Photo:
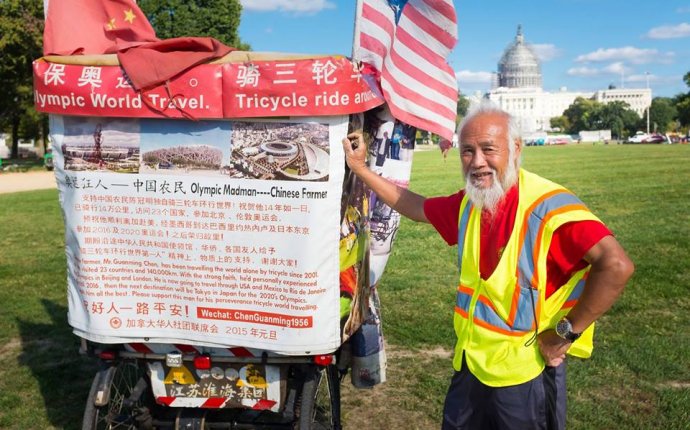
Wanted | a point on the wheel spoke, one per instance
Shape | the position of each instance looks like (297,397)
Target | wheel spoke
(319,400)
(116,414)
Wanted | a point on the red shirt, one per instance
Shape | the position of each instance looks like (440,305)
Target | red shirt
(569,244)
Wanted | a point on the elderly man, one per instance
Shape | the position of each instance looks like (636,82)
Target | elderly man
(537,268)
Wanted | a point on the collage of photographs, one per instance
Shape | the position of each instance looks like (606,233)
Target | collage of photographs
(235,149)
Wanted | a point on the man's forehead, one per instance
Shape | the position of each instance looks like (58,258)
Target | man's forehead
(484,119)
(487,127)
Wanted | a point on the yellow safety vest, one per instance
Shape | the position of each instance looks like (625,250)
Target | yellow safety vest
(496,320)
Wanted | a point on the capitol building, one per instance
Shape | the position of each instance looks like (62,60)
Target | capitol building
(517,88)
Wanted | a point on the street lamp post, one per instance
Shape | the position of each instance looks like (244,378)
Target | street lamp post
(648,106)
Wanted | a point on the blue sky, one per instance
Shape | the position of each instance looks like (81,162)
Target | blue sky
(585,45)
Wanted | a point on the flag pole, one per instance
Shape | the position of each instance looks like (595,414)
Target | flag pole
(355,36)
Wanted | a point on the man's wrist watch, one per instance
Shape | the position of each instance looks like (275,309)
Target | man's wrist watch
(564,329)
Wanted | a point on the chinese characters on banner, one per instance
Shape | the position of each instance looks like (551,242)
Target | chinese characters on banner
(213,232)
(305,87)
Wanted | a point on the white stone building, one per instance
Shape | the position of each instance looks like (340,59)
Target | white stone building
(517,88)
(639,99)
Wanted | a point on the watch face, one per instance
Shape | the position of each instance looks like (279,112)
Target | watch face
(563,328)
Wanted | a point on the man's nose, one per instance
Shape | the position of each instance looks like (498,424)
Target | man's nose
(478,159)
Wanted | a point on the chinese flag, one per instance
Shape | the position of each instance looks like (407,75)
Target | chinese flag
(149,65)
(94,27)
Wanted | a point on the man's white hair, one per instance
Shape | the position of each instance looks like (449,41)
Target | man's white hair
(487,106)
(489,198)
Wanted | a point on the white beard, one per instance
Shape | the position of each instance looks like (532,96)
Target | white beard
(488,198)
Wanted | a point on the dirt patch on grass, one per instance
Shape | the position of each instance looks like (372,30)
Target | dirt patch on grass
(629,398)
(10,349)
(681,385)
(28,348)
(26,181)
(394,353)
(392,405)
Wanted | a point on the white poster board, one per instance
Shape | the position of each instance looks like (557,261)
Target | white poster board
(214,233)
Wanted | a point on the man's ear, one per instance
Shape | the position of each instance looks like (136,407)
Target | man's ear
(518,146)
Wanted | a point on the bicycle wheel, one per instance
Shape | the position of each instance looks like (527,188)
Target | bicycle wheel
(126,388)
(320,405)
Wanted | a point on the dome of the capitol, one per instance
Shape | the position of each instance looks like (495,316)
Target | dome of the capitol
(519,66)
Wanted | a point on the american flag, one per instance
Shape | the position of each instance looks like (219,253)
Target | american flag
(408,41)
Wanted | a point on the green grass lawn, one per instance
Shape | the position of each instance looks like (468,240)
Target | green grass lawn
(638,377)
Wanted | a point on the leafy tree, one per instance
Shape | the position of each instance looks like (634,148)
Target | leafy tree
(463,105)
(662,114)
(461,108)
(21,41)
(219,19)
(631,122)
(617,117)
(581,115)
(560,122)
(682,104)
(588,114)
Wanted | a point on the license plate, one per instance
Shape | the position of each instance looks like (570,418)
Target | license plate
(230,385)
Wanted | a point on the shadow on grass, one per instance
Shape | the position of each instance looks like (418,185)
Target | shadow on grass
(51,352)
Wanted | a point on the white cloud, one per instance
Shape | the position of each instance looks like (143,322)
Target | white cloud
(583,71)
(300,6)
(470,77)
(616,68)
(546,51)
(628,54)
(470,82)
(669,31)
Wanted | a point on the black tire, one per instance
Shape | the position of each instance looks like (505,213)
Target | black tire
(320,400)
(121,411)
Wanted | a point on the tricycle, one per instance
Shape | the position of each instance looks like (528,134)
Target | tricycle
(236,388)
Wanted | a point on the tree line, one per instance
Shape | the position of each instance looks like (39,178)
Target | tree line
(666,114)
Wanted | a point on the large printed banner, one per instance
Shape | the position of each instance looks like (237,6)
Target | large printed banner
(302,87)
(212,232)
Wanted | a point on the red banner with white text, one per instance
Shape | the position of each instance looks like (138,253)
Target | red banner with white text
(302,87)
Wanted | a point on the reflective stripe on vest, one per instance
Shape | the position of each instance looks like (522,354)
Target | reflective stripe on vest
(462,229)
(537,216)
(462,300)
(574,295)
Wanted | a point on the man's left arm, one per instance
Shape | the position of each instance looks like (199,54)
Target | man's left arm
(610,270)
